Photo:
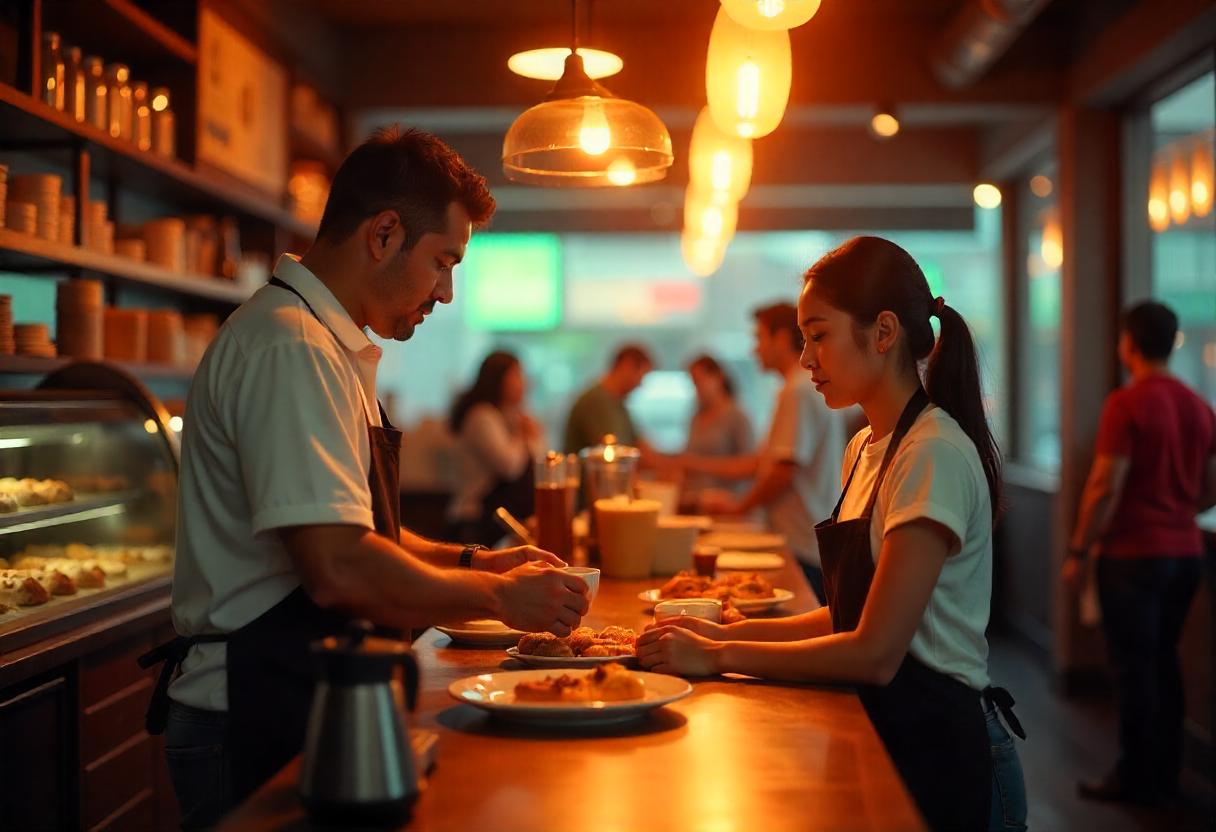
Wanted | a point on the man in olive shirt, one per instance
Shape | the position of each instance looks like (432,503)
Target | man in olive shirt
(601,409)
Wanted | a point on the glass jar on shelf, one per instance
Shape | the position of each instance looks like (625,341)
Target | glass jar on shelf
(96,93)
(52,73)
(118,106)
(141,116)
(74,84)
(163,142)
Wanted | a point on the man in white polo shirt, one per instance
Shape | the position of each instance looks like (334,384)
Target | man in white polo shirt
(797,470)
(288,507)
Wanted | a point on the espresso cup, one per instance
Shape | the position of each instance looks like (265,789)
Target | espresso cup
(590,576)
(709,609)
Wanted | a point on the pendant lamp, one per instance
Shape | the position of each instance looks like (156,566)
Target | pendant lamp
(1202,177)
(702,255)
(1180,189)
(1159,197)
(771,14)
(719,161)
(582,135)
(747,77)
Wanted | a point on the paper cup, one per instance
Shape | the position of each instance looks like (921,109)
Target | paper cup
(590,576)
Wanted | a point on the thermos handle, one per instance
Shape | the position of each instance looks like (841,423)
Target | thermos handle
(410,665)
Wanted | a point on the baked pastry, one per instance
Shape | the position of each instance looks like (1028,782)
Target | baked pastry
(619,635)
(84,573)
(581,639)
(607,648)
(19,588)
(740,585)
(544,644)
(607,683)
(584,642)
(8,504)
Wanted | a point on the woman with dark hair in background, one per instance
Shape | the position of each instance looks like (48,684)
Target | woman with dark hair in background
(906,554)
(497,441)
(718,427)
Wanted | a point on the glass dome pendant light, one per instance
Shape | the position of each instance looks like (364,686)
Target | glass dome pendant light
(583,136)
(771,14)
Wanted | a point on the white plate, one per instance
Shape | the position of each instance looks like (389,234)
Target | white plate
(568,661)
(481,636)
(749,561)
(495,692)
(780,596)
(762,541)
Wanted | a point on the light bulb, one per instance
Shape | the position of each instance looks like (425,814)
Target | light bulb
(1202,178)
(1180,190)
(770,8)
(594,137)
(770,14)
(987,195)
(702,255)
(747,91)
(1041,186)
(622,173)
(1159,198)
(175,424)
(884,125)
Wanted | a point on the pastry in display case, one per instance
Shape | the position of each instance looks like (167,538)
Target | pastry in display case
(88,492)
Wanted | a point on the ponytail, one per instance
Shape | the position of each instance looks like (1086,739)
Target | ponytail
(952,380)
(868,275)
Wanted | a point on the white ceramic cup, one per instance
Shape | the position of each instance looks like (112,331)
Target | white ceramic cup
(589,575)
(709,609)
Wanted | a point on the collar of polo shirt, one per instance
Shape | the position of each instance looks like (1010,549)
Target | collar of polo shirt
(295,274)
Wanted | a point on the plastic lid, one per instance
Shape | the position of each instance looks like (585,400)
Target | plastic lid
(358,657)
(609,451)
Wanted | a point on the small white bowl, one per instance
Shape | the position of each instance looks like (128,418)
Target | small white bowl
(709,609)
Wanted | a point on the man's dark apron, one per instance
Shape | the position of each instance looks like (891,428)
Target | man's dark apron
(931,724)
(270,669)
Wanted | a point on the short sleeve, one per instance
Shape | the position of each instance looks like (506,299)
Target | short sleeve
(301,437)
(930,480)
(798,425)
(1114,428)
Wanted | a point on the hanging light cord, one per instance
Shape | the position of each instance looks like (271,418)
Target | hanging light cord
(574,26)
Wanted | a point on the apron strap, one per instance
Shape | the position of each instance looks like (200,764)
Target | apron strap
(170,656)
(847,483)
(912,410)
(1002,700)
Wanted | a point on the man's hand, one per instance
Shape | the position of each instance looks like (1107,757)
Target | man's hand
(535,597)
(718,503)
(504,560)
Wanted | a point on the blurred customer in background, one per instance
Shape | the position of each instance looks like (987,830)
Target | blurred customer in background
(497,441)
(601,410)
(718,428)
(1154,470)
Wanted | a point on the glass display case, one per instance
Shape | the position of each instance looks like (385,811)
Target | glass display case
(88,493)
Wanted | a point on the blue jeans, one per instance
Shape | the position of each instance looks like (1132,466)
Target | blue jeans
(1008,812)
(198,764)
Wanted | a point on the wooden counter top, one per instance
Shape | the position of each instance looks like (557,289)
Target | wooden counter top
(736,755)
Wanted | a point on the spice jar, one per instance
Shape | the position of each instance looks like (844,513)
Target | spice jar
(118,84)
(95,94)
(142,116)
(163,143)
(74,84)
(52,70)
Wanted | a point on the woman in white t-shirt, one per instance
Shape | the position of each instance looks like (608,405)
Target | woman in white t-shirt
(907,554)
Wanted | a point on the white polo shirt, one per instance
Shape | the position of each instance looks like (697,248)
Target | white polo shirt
(275,435)
(806,432)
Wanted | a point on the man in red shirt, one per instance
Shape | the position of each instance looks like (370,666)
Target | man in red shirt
(1154,470)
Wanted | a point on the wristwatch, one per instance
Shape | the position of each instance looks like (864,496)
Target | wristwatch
(466,555)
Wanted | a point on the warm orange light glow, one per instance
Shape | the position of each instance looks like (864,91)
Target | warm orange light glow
(1202,185)
(622,173)
(1051,246)
(770,14)
(707,215)
(548,64)
(1041,186)
(718,161)
(594,137)
(702,255)
(884,125)
(1180,189)
(1159,198)
(747,77)
(987,195)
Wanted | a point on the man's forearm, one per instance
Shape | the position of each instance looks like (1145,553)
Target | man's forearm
(434,552)
(776,480)
(725,467)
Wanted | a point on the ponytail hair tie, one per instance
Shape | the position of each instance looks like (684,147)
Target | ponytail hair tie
(939,303)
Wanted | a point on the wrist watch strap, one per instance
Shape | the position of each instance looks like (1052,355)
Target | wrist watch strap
(466,555)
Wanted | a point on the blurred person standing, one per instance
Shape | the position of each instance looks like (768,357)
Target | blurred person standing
(1154,470)
(718,428)
(600,409)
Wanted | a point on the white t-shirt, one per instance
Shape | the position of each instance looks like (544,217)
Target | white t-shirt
(937,475)
(489,450)
(805,431)
(275,435)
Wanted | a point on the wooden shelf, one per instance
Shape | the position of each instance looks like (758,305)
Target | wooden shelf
(304,146)
(19,250)
(30,123)
(33,366)
(122,27)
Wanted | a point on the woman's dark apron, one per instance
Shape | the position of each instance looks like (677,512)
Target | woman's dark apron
(931,724)
(270,669)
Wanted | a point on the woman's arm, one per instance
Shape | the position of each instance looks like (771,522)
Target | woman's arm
(909,564)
